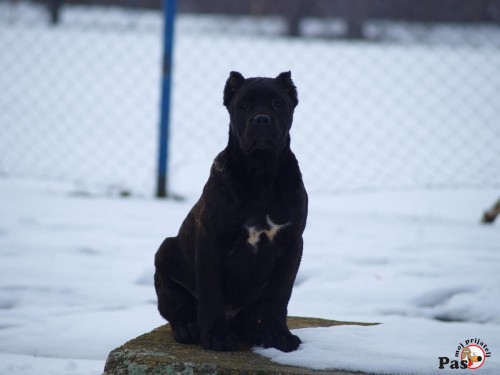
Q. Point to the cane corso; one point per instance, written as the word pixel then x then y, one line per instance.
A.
pixel 228 275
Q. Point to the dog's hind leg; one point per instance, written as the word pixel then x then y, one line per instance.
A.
pixel 175 303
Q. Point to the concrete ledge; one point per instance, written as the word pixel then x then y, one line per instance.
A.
pixel 156 353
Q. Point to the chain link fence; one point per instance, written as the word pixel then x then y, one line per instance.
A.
pixel 395 99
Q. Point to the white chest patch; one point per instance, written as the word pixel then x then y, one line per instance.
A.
pixel 271 231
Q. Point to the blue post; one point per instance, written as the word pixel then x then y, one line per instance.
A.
pixel 169 10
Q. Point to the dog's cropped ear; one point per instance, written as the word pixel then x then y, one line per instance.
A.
pixel 285 78
pixel 233 82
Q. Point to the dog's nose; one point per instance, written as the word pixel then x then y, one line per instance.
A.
pixel 262 120
pixel 479 358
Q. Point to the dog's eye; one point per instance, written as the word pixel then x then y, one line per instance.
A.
pixel 277 103
pixel 244 105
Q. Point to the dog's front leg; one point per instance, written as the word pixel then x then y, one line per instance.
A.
pixel 264 322
pixel 215 334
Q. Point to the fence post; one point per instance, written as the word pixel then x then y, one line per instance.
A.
pixel 169 11
pixel 55 11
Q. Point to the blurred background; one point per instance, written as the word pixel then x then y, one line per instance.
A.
pixel 394 94
pixel 397 133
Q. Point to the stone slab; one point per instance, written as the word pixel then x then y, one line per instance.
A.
pixel 156 353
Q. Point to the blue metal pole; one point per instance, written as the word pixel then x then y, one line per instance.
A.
pixel 169 11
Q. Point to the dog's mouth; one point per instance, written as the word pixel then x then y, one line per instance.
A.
pixel 260 143
pixel 264 143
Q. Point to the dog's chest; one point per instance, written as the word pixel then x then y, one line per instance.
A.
pixel 263 230
pixel 251 259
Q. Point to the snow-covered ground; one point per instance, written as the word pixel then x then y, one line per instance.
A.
pixel 76 278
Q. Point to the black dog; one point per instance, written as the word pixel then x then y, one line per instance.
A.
pixel 229 272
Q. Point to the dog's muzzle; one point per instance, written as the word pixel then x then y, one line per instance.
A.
pixel 262 133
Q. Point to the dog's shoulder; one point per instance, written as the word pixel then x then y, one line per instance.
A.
pixel 223 173
pixel 219 166
pixel 218 189
pixel 291 176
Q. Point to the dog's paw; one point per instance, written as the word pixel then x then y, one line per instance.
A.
pixel 187 334
pixel 270 333
pixel 224 341
pixel 286 342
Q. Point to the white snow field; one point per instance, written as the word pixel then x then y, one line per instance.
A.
pixel 76 278
pixel 385 120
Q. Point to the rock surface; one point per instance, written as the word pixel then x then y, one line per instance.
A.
pixel 156 353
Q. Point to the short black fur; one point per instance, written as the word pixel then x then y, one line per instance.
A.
pixel 228 274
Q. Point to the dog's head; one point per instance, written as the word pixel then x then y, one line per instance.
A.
pixel 261 111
